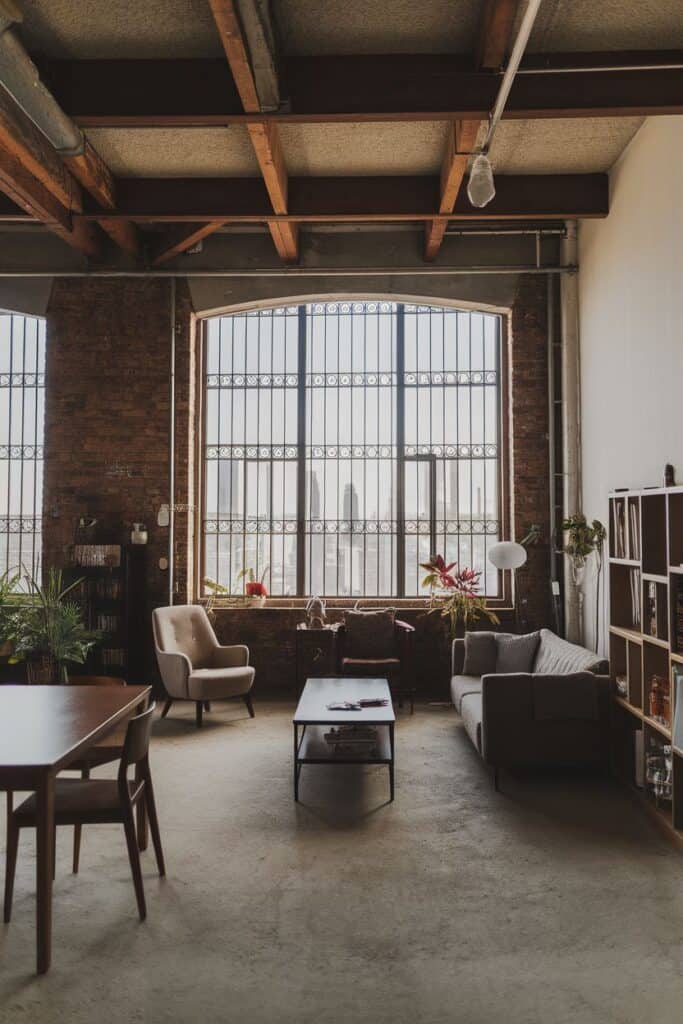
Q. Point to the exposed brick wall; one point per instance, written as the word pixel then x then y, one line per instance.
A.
pixel 107 406
pixel 528 389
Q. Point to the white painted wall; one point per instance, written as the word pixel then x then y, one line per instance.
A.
pixel 631 325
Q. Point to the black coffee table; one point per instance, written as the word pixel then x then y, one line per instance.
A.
pixel 313 716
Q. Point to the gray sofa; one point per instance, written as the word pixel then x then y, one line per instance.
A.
pixel 558 713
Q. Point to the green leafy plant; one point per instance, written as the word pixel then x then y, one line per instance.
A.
pixel 45 625
pixel 454 593
pixel 583 541
pixel 10 598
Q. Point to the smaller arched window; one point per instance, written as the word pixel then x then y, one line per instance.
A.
pixel 346 442
pixel 22 391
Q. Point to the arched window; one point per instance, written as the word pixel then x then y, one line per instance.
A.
pixel 344 442
pixel 22 390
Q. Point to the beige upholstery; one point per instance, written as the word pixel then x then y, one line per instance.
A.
pixel 193 665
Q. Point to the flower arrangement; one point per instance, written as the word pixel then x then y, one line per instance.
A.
pixel 455 593
pixel 255 591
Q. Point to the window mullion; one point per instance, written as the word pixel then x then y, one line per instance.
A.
pixel 301 455
pixel 400 452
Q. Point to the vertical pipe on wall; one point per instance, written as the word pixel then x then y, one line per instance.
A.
pixel 552 468
pixel 171 447
pixel 571 420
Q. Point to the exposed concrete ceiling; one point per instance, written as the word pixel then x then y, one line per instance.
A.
pixel 566 25
pixel 520 147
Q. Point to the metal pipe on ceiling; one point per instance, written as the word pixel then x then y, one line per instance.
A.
pixel 304 272
pixel 21 79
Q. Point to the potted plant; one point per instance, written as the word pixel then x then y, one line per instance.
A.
pixel 583 541
pixel 254 589
pixel 47 630
pixel 10 596
pixel 455 593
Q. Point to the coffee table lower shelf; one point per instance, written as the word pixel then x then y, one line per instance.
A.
pixel 311 747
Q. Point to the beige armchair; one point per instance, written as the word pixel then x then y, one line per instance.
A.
pixel 193 665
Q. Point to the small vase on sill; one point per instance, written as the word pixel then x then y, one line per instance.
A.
pixel 257 601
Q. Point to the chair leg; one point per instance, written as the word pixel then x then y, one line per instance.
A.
pixel 10 865
pixel 54 853
pixel 154 824
pixel 85 774
pixel 207 705
pixel 200 709
pixel 250 707
pixel 167 708
pixel 134 858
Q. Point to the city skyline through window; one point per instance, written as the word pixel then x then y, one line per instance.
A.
pixel 345 442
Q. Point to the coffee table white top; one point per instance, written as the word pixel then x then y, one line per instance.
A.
pixel 318 693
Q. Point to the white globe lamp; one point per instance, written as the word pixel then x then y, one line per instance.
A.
pixel 508 556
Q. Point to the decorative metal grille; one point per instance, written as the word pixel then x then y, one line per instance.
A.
pixel 346 442
pixel 22 391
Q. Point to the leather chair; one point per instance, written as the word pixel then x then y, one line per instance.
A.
pixel 395 665
pixel 193 665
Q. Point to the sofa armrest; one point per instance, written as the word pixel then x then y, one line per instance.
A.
pixel 457 656
pixel 175 669
pixel 232 656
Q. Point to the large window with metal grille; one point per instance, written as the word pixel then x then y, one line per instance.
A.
pixel 346 442
pixel 22 390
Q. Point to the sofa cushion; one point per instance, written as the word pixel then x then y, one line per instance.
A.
pixel 461 686
pixel 470 709
pixel 480 653
pixel 218 683
pixel 370 634
pixel 516 653
pixel 558 657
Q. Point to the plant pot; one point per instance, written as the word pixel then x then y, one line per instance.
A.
pixel 257 602
pixel 42 671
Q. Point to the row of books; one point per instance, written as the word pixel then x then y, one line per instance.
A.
pixel 634 580
pixel 678 621
pixel 107 623
pixel 626 545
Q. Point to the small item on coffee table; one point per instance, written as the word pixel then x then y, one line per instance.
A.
pixel 358 705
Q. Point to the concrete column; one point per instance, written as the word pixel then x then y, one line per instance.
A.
pixel 571 418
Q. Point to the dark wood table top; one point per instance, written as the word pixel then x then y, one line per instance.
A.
pixel 49 726
pixel 318 693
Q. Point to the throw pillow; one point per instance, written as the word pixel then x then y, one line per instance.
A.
pixel 516 653
pixel 370 634
pixel 480 653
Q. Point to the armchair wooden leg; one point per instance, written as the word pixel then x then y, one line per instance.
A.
pixel 167 708
pixel 200 709
pixel 207 705
pixel 250 706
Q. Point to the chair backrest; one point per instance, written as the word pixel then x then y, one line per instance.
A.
pixel 185 629
pixel 136 743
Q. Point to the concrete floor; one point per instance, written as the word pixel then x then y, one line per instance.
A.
pixel 553 902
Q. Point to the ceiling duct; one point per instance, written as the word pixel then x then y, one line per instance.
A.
pixel 21 79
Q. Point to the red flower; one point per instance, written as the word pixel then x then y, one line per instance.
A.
pixel 256 589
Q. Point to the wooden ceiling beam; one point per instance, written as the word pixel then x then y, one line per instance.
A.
pixel 381 87
pixel 494 39
pixel 60 177
pixel 368 199
pixel 36 200
pixel 265 137
pixel 183 239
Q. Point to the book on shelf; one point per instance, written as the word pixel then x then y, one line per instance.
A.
pixel 677 687
pixel 634 536
pixel 678 622
pixel 651 609
pixel 634 580
pixel 619 528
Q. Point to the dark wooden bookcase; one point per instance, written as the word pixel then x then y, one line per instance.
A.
pixel 113 597
pixel 646 646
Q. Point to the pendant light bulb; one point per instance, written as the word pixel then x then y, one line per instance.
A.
pixel 481 187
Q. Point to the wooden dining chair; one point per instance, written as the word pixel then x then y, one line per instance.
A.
pixel 105 752
pixel 100 802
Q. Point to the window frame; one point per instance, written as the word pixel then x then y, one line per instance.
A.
pixel 503 600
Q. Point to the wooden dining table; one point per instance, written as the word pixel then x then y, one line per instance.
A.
pixel 42 730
